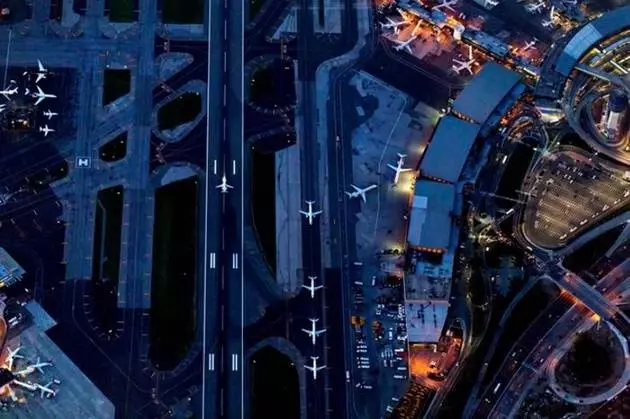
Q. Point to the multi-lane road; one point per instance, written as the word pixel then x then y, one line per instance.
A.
pixel 222 383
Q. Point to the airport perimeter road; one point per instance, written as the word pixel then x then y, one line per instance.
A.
pixel 222 384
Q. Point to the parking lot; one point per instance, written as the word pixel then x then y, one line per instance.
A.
pixel 569 192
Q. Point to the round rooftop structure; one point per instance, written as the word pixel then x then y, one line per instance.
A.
pixel 594 66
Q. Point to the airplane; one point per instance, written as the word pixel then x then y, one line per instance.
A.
pixel 459 65
pixel 400 45
pixel 529 45
pixel 8 91
pixel 223 185
pixel 446 4
pixel 393 24
pixel 535 7
pixel 2 108
pixel 46 130
pixel 40 95
pixel 50 114
pixel 313 332
pixel 360 192
pixel 314 368
pixel 310 214
pixel 399 167
pixel 37 366
pixel 312 288
pixel 11 356
pixel 46 390
pixel 41 71
pixel 547 23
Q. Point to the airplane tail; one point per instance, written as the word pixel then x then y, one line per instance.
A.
pixel 310 202
pixel 402 156
pixel 314 358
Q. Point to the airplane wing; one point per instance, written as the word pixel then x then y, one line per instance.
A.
pixel 356 188
pixel 41 92
pixel 39 77
pixel 319 332
pixel 309 332
pixel 40 66
pixel 317 212
pixel 406 170
pixel 304 213
pixel 309 368
pixel 321 368
pixel 394 168
pixel 39 100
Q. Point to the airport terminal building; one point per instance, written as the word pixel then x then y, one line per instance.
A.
pixel 437 204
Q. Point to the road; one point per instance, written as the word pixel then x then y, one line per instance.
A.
pixel 222 383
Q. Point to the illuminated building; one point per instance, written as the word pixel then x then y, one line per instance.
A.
pixel 10 271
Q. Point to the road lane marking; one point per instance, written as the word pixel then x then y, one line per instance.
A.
pixel 221 401
pixel 211 362
pixel 234 260
pixel 224 95
pixel 222 317
pixel 222 239
pixel 213 260
pixel 233 167
pixel 215 167
pixel 234 362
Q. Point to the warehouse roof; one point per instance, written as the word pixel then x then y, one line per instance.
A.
pixel 448 150
pixel 485 92
pixel 430 221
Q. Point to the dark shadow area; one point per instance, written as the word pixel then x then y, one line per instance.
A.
pixel 514 174
pixel 174 272
pixel 274 391
pixel 262 206
pixel 106 257
pixel 586 256
pixel 539 297
pixel 18 10
pixel 115 149
pixel 184 108
pixel 41 179
pixel 116 84
pixel 254 8
pixel 120 11
pixel 56 10
pixel 272 85
pixel 174 11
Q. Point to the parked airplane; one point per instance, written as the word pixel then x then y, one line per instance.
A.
pixel 2 108
pixel 313 332
pixel 37 366
pixel 406 45
pixel 360 192
pixel 399 167
pixel 41 71
pixel 310 214
pixel 45 390
pixel 40 95
pixel 312 288
pixel 8 91
pixel 393 24
pixel 46 130
pixel 224 185
pixel 445 4
pixel 465 65
pixel 529 45
pixel 314 368
pixel 535 7
pixel 11 356
pixel 49 114
pixel 546 23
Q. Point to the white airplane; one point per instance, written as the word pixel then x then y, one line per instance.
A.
pixel 8 91
pixel 49 114
pixel 46 130
pixel 224 185
pixel 310 214
pixel 40 95
pixel 445 4
pixel 546 23
pixel 399 167
pixel 37 366
pixel 11 356
pixel 535 7
pixel 313 332
pixel 393 24
pixel 406 45
pixel 312 288
pixel 529 45
pixel 314 368
pixel 360 192
pixel 41 71
pixel 45 390
pixel 2 108
pixel 459 65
